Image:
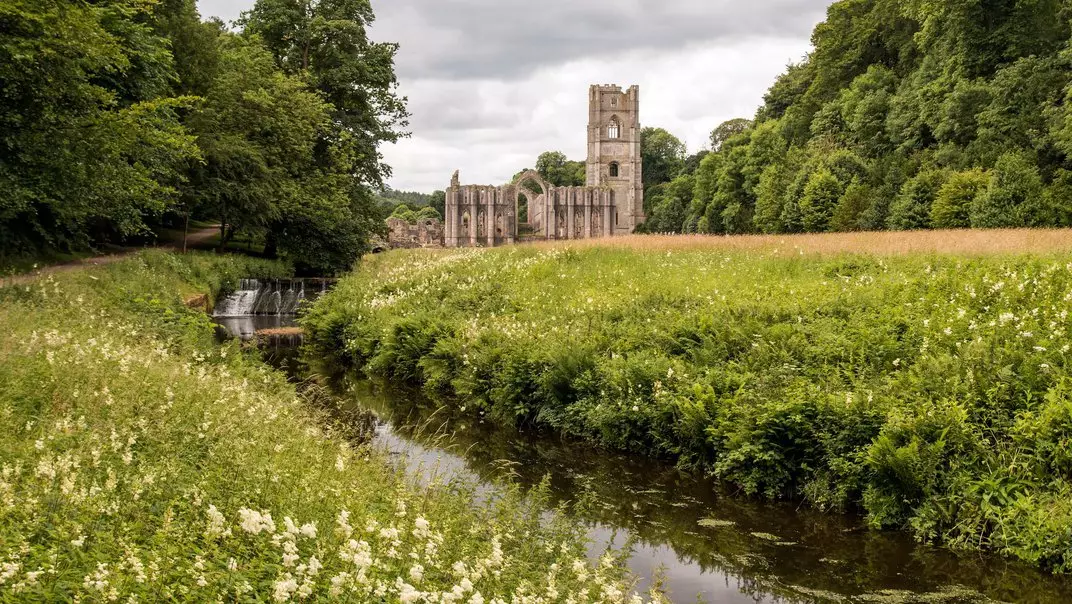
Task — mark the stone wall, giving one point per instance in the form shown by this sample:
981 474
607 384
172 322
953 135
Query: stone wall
486 216
428 232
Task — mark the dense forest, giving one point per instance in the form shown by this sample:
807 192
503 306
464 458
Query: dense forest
411 205
118 116
906 115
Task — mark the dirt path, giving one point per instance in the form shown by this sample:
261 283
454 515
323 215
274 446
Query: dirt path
194 240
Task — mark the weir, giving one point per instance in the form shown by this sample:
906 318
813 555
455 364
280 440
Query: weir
270 297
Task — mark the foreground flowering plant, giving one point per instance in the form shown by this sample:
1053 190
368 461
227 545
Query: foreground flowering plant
139 462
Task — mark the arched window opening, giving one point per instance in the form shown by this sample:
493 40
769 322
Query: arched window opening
613 129
614 169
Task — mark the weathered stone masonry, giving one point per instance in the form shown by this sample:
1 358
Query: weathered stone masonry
612 203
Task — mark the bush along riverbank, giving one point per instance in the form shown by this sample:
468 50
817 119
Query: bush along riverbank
930 391
141 461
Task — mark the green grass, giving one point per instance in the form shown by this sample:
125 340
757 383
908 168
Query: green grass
15 265
140 460
930 391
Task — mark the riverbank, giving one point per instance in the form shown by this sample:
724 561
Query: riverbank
142 460
925 388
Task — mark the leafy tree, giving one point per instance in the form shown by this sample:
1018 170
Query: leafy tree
327 42
428 212
90 140
438 202
1058 198
912 207
821 195
559 171
865 107
787 91
692 162
1013 197
96 143
893 96
952 206
257 130
727 130
192 42
403 210
1016 116
671 203
706 181
770 198
662 154
850 207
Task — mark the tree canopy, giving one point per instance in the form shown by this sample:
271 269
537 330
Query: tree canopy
905 115
119 115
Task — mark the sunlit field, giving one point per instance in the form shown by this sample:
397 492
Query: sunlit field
963 242
921 378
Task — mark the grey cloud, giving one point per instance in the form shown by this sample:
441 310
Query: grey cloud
508 39
492 83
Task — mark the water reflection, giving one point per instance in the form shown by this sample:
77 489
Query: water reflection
246 328
702 541
277 337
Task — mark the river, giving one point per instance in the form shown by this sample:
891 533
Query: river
685 530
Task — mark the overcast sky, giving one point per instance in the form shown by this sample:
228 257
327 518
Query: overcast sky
493 83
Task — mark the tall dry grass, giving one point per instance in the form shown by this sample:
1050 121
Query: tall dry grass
966 242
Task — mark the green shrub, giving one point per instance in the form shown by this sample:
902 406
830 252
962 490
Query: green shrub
952 206
912 207
820 197
1013 198
428 212
850 207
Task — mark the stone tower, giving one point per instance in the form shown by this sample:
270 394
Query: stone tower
614 151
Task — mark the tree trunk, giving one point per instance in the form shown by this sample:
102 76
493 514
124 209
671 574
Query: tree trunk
185 231
271 247
226 235
223 236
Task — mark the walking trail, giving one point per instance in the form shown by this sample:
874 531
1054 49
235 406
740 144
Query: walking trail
194 239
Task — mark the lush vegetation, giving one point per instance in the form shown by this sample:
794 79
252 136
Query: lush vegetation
905 115
121 116
411 215
141 460
929 390
389 200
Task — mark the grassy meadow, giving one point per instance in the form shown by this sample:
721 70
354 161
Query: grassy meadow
142 461
922 378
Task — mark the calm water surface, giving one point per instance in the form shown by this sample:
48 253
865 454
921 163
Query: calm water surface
702 541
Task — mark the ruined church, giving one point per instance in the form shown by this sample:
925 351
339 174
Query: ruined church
611 203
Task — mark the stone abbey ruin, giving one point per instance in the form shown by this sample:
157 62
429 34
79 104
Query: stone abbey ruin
610 203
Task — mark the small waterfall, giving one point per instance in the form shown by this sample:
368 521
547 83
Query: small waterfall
292 298
255 297
241 302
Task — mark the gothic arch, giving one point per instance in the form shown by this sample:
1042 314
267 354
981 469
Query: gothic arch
614 127
535 202
528 175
